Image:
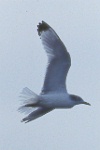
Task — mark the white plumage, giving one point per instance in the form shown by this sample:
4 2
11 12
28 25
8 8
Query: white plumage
54 93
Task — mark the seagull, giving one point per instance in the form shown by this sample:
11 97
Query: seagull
54 94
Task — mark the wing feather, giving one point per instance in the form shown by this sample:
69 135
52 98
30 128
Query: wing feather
59 60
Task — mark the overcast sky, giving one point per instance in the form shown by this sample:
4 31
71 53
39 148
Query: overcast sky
23 63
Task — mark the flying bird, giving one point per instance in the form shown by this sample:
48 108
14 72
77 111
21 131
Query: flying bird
54 93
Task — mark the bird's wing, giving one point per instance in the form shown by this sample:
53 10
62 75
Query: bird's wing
59 60
40 111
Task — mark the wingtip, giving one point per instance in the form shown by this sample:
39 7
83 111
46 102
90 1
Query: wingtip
43 26
24 120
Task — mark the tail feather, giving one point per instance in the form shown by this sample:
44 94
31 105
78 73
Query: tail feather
28 96
30 106
40 111
29 99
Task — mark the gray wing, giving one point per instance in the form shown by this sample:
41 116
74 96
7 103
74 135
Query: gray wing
59 60
40 111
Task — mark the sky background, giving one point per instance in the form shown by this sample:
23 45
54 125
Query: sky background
23 63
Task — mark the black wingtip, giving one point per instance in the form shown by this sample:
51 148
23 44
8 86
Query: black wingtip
42 27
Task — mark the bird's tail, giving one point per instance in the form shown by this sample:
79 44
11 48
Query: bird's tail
29 100
30 105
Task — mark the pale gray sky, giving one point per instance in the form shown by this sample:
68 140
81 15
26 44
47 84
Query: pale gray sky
23 63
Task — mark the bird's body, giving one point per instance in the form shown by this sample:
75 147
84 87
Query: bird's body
56 100
54 92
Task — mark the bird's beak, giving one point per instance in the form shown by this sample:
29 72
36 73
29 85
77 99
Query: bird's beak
86 103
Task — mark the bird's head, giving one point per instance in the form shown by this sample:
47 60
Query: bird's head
78 100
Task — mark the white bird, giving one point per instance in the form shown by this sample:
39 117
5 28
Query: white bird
54 93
